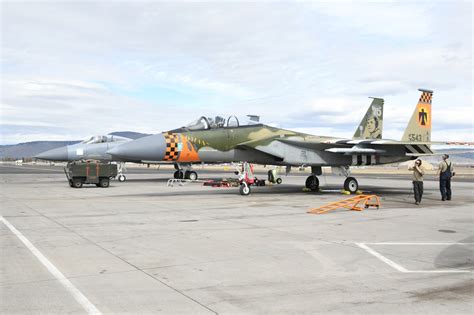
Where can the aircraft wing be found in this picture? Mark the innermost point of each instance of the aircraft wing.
(368, 146)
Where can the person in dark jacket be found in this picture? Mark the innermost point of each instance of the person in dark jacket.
(446, 172)
(418, 172)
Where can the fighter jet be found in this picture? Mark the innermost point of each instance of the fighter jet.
(228, 141)
(94, 148)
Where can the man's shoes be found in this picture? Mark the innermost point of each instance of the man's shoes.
(442, 199)
(449, 199)
(417, 203)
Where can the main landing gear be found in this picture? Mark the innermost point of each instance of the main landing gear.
(350, 184)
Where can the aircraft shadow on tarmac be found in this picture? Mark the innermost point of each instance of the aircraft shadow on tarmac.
(267, 190)
(456, 256)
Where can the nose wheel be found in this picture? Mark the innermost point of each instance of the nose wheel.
(351, 185)
(312, 183)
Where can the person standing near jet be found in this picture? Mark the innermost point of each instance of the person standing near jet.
(418, 172)
(446, 172)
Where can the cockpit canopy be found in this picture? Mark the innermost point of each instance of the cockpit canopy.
(204, 123)
(104, 139)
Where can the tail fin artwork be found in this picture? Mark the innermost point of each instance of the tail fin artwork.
(371, 125)
(419, 126)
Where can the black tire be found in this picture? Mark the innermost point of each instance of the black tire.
(104, 182)
(270, 177)
(279, 181)
(351, 185)
(192, 175)
(244, 189)
(312, 182)
(178, 174)
(77, 183)
(122, 178)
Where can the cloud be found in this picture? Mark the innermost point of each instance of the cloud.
(95, 67)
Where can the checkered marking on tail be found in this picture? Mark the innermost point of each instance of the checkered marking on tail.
(172, 142)
(425, 98)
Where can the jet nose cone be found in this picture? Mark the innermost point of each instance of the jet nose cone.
(151, 148)
(58, 154)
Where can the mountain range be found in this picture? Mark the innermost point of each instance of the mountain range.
(28, 150)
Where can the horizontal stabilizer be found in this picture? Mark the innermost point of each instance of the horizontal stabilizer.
(355, 150)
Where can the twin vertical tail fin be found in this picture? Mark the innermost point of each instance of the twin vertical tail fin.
(371, 125)
(419, 126)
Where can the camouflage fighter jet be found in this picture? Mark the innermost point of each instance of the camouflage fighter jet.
(96, 147)
(263, 144)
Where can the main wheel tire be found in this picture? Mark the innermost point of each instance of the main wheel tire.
(192, 175)
(351, 185)
(279, 181)
(178, 174)
(312, 182)
(76, 183)
(122, 178)
(104, 183)
(244, 189)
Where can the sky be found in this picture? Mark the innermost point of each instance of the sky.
(71, 69)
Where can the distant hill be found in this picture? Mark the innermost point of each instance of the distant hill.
(457, 156)
(29, 149)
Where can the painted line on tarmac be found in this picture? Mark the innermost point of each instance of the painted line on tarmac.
(381, 257)
(78, 296)
(30, 168)
(424, 244)
(401, 268)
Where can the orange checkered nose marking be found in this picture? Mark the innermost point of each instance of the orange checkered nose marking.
(179, 148)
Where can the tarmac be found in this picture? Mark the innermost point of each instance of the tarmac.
(142, 247)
